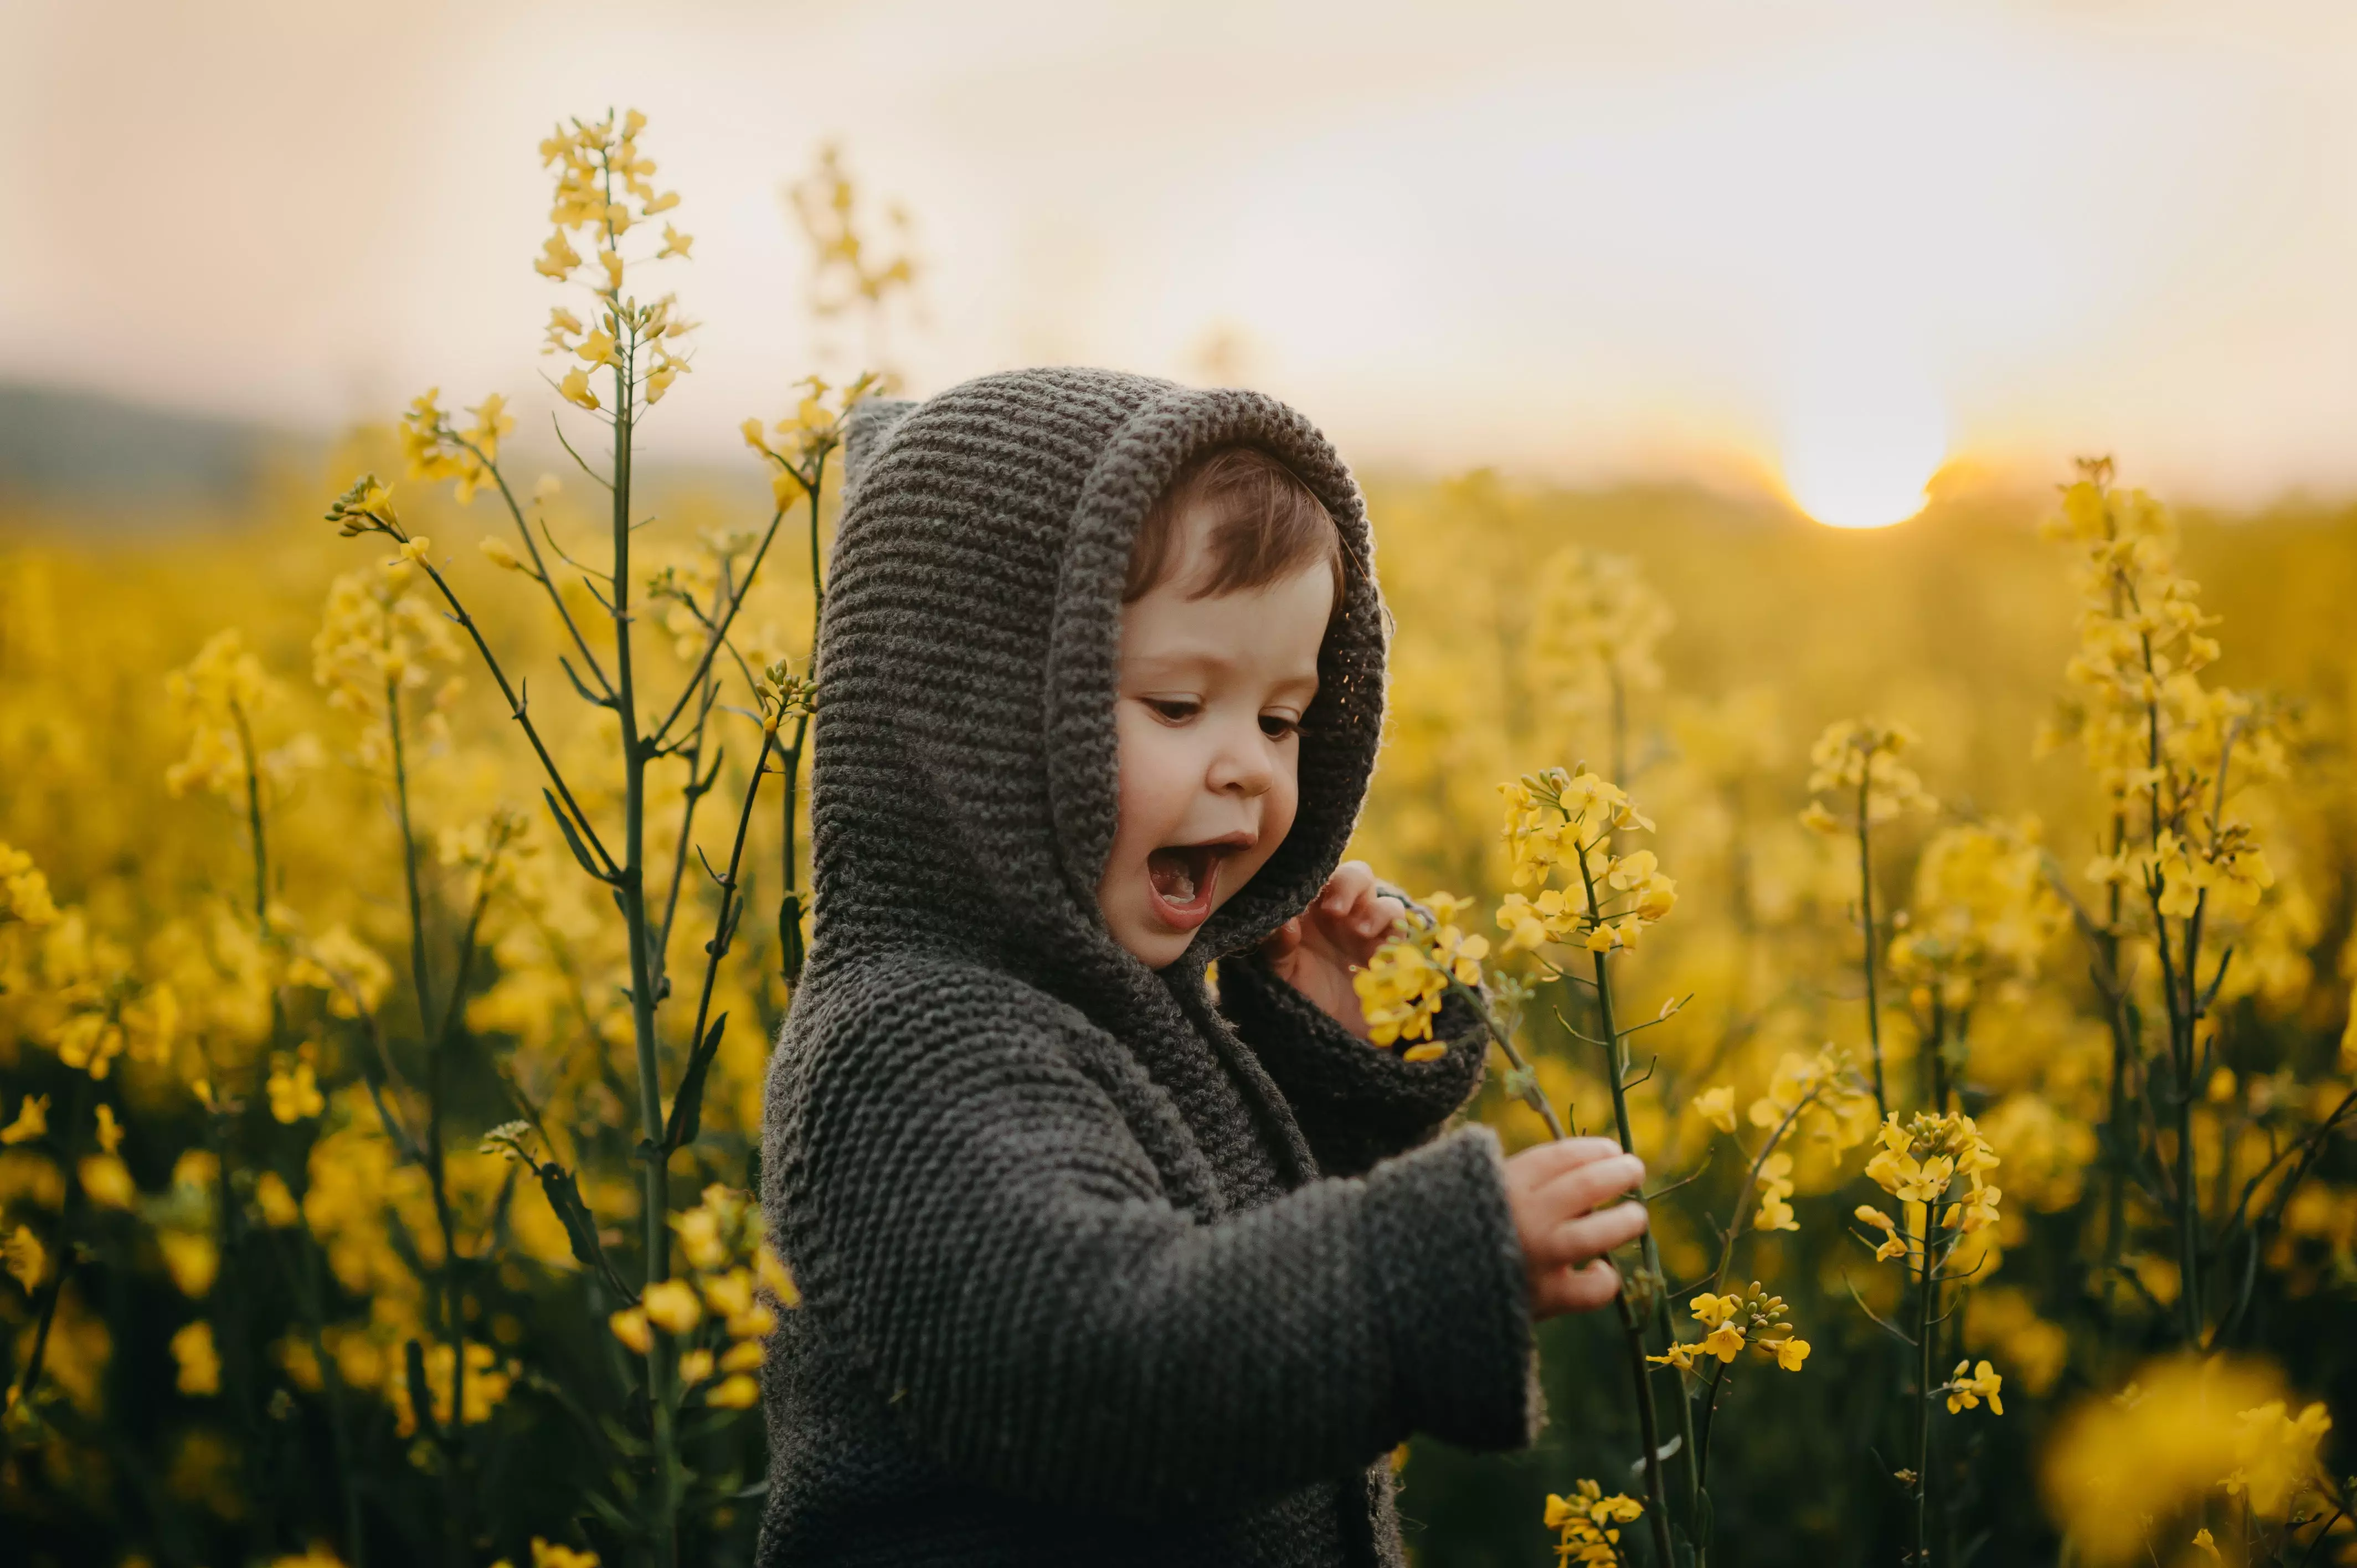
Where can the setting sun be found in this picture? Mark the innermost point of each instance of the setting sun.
(1863, 461)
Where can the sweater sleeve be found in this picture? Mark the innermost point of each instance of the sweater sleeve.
(1357, 1102)
(973, 1215)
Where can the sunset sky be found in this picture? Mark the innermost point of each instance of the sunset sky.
(1841, 241)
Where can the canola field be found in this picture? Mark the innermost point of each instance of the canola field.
(400, 881)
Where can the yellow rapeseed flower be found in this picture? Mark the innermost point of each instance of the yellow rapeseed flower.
(1713, 1310)
(24, 1257)
(276, 1201)
(557, 258)
(295, 1094)
(199, 1363)
(1966, 1392)
(108, 1181)
(32, 1121)
(737, 1391)
(671, 1306)
(774, 1274)
(629, 1326)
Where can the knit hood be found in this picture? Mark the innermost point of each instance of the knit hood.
(966, 758)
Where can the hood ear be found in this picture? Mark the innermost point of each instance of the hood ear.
(863, 432)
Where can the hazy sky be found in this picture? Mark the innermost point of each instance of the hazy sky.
(1572, 236)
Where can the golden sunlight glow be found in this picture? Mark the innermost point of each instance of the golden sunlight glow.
(1862, 459)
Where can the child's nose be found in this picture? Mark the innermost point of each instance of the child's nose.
(1242, 765)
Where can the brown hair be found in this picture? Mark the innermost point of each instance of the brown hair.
(1264, 524)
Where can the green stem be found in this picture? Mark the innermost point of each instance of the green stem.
(454, 1332)
(1751, 1182)
(233, 1337)
(724, 931)
(417, 974)
(1617, 1071)
(539, 573)
(1866, 929)
(30, 1378)
(1632, 1334)
(253, 820)
(518, 710)
(1937, 1047)
(1928, 1285)
(655, 1203)
(310, 1301)
(793, 755)
(1709, 1409)
(2119, 1133)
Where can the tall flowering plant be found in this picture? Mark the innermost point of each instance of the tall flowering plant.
(621, 359)
(430, 1189)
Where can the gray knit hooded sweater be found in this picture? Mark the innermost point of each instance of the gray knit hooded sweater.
(1096, 1267)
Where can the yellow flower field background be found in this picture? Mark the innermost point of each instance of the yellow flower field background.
(397, 898)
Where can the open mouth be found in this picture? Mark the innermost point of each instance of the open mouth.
(1184, 877)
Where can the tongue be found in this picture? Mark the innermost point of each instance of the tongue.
(1173, 872)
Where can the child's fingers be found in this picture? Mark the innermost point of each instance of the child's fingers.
(1281, 943)
(1376, 917)
(1578, 1290)
(1534, 1167)
(1585, 1187)
(1353, 880)
(1593, 1235)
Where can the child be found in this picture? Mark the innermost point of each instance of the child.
(1098, 1267)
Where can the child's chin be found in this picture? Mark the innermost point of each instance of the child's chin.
(1154, 942)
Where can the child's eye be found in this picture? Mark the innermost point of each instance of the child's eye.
(1173, 710)
(1276, 726)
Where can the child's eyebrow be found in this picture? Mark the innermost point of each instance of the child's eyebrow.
(1167, 662)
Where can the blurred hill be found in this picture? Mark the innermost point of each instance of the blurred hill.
(65, 447)
(90, 463)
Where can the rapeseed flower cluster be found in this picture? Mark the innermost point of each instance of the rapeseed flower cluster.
(1731, 1321)
(1919, 1162)
(1560, 830)
(1982, 911)
(726, 1310)
(1820, 1095)
(1855, 764)
(2128, 1472)
(1596, 629)
(1402, 987)
(1589, 1525)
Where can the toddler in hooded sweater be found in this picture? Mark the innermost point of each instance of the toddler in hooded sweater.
(1101, 1263)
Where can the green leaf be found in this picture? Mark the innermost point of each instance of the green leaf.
(789, 937)
(572, 835)
(580, 1230)
(687, 1105)
(421, 1397)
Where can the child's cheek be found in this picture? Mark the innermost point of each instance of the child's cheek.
(1150, 789)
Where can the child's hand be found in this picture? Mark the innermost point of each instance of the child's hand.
(1554, 1191)
(1319, 949)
